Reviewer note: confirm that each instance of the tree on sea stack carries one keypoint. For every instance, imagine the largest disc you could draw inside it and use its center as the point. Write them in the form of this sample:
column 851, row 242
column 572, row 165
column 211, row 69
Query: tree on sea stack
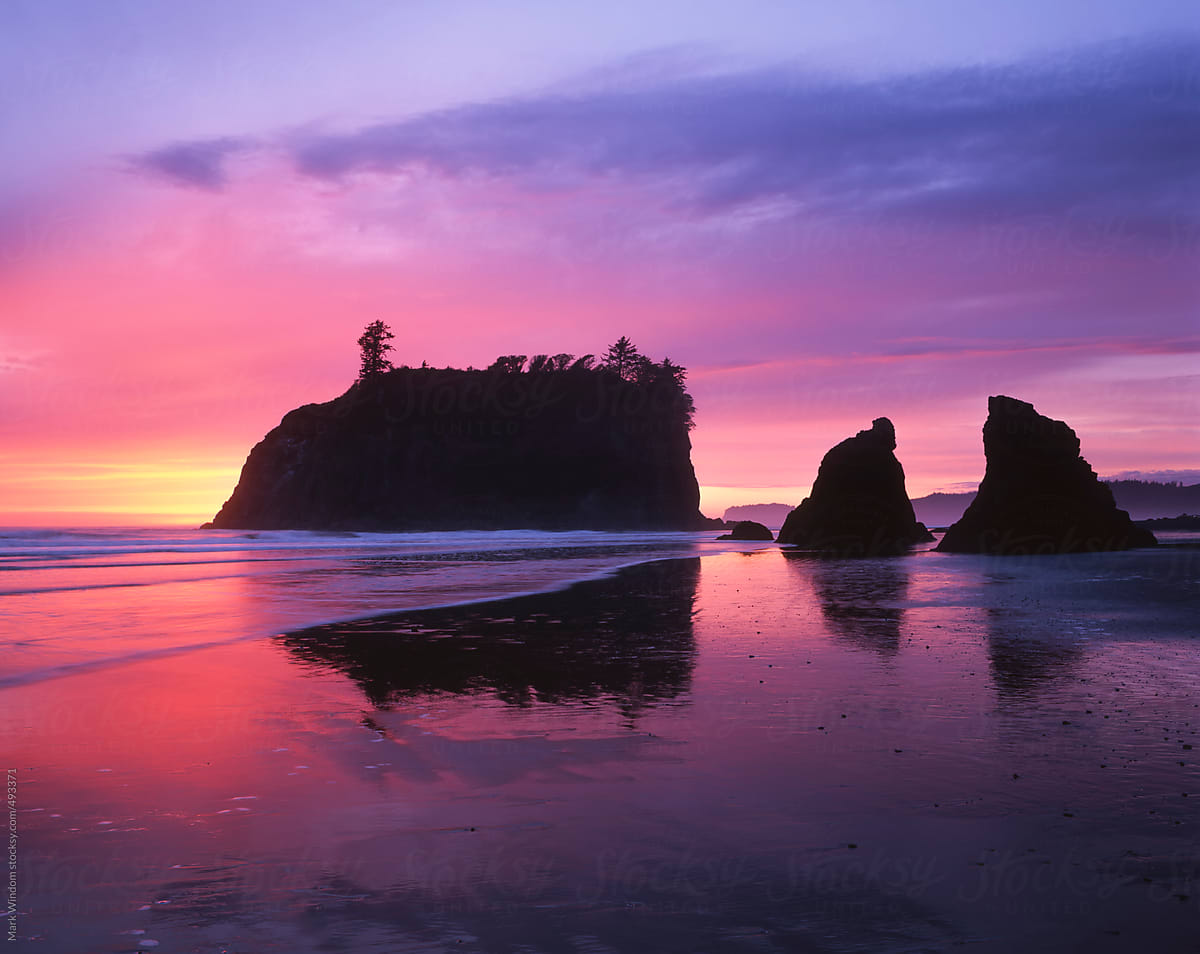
column 374, row 345
column 622, row 358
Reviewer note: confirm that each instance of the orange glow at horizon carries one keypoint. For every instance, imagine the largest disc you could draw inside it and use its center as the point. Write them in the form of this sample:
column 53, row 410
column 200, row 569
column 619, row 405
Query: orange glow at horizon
column 66, row 491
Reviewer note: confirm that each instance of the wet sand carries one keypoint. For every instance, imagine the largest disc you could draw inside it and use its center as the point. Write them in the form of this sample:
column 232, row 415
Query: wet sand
column 749, row 752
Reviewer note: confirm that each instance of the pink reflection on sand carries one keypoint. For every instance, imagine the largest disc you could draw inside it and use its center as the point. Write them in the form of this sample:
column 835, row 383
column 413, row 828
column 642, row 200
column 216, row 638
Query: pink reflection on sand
column 924, row 736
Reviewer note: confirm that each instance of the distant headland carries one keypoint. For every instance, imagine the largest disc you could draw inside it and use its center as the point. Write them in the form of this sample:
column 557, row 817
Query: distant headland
column 769, row 514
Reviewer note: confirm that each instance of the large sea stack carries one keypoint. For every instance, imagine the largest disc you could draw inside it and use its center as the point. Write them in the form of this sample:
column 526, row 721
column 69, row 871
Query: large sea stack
column 428, row 449
column 1038, row 495
column 858, row 505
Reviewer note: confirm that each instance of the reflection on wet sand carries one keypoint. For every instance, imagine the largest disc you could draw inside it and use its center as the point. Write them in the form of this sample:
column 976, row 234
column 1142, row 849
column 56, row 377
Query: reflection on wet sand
column 680, row 900
column 861, row 600
column 734, row 758
column 556, row 647
column 492, row 898
column 1027, row 649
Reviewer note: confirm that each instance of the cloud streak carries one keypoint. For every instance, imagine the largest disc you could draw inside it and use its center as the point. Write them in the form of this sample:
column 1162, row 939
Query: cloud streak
column 1107, row 136
column 199, row 164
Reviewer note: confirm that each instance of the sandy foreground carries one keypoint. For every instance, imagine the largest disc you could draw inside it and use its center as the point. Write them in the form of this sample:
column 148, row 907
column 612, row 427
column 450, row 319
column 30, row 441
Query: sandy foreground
column 745, row 752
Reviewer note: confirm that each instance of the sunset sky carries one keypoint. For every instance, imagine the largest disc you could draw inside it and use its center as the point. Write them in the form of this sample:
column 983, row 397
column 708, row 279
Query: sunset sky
column 826, row 212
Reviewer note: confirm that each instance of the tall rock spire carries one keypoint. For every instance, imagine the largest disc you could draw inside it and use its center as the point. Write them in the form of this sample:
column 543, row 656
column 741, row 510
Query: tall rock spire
column 858, row 504
column 1038, row 495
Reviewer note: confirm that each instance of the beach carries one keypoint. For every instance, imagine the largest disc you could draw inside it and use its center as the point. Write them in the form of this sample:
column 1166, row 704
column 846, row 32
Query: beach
column 646, row 744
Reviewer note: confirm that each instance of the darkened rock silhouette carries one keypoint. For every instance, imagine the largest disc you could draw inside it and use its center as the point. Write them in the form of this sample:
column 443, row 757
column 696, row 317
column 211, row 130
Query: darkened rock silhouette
column 858, row 505
column 427, row 449
column 1038, row 495
column 747, row 530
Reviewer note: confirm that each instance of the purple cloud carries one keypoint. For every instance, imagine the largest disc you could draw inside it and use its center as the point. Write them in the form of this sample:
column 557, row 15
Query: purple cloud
column 199, row 164
column 1106, row 137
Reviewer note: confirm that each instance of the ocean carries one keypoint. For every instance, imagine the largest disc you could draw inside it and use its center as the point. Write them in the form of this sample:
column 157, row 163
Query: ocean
column 71, row 600
column 543, row 742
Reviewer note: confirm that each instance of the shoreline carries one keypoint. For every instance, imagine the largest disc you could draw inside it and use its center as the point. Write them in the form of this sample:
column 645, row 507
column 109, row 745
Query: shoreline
column 581, row 546
column 705, row 544
column 72, row 669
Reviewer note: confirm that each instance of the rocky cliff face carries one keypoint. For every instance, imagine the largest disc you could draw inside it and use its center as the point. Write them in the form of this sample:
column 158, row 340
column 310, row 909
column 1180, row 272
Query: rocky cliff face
column 859, row 505
column 1038, row 495
column 426, row 449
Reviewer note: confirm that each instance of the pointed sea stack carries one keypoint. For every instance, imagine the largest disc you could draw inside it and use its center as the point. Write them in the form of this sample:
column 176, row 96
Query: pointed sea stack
column 1038, row 495
column 859, row 506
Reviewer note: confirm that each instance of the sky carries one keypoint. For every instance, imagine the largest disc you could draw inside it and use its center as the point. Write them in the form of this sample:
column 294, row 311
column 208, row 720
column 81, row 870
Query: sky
column 827, row 213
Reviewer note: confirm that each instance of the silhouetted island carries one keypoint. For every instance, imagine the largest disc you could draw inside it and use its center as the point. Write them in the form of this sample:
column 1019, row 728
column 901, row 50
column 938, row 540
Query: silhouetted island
column 1038, row 495
column 859, row 505
column 560, row 445
column 747, row 530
